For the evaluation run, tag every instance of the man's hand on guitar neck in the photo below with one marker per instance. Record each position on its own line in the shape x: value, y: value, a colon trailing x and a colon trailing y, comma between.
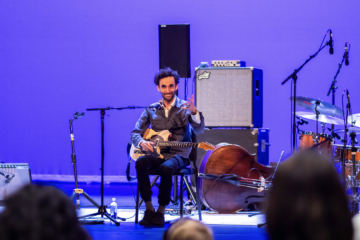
x: 146, y: 146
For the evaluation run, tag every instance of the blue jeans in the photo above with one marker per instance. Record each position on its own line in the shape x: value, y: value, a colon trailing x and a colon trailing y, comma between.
x: 165, y: 168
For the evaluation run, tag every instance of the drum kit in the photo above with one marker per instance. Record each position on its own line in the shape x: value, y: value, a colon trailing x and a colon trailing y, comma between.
x: 345, y: 154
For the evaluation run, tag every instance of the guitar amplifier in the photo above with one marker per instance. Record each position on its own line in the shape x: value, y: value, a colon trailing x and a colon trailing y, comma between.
x: 255, y: 141
x: 230, y: 96
x: 12, y: 177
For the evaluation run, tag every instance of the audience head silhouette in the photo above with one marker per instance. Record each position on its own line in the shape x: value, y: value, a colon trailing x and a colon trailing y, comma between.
x: 307, y: 201
x: 188, y: 229
x: 40, y: 213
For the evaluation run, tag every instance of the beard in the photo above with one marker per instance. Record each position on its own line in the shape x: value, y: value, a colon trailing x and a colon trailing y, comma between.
x: 169, y: 97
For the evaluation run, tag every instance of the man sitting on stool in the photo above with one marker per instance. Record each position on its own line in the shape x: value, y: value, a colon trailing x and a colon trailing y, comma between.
x: 172, y: 114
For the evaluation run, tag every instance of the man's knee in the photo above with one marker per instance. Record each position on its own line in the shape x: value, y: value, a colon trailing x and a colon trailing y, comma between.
x: 141, y: 163
x: 165, y: 170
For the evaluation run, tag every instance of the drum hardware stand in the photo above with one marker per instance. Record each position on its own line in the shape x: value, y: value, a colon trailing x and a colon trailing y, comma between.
x: 355, y: 200
x: 353, y: 183
x: 301, y: 122
x: 102, y: 208
x: 348, y: 111
x: 317, y: 120
x: 294, y: 77
x: 322, y: 127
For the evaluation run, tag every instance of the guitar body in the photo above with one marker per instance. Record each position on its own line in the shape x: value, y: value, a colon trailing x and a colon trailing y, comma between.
x: 155, y: 137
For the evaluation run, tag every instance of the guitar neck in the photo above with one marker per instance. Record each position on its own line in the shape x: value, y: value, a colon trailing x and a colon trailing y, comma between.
x: 178, y: 144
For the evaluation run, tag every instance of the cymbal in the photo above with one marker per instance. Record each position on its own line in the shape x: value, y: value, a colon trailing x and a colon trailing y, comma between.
x: 356, y: 118
x: 323, y: 107
x: 350, y: 129
x: 322, y: 118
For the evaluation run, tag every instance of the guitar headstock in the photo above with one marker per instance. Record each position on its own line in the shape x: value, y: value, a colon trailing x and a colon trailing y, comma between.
x: 206, y: 146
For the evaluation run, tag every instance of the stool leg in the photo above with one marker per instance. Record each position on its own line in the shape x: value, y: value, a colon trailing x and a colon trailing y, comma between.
x: 137, y: 206
x: 175, y: 193
x: 198, y: 196
x: 181, y: 196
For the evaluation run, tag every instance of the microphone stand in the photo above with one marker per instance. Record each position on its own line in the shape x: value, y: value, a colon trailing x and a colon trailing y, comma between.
x: 333, y: 87
x: 77, y: 191
x: 102, y: 208
x: 294, y: 77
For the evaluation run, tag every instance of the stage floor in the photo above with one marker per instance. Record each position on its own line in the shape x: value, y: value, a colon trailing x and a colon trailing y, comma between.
x: 224, y: 226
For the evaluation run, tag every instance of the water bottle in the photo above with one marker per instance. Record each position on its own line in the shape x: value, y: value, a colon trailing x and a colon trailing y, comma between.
x: 113, y: 210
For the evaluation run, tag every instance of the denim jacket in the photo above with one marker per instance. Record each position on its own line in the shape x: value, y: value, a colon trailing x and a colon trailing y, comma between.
x: 178, y: 123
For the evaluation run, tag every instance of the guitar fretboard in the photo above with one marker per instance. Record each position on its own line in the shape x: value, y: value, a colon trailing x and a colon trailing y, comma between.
x: 178, y: 144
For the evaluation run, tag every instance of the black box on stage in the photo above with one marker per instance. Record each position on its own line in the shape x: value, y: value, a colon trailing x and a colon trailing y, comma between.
x: 174, y: 48
x: 255, y: 141
x: 230, y: 96
x: 12, y: 177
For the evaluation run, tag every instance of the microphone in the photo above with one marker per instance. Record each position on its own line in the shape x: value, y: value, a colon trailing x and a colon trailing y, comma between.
x: 302, y: 120
x: 331, y: 50
x: 346, y: 55
x: 77, y: 115
x: 348, y: 98
x: 335, y: 135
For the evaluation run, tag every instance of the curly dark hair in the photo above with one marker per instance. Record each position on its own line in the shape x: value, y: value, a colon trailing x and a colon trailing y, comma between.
x: 307, y: 201
x: 166, y: 72
x: 40, y: 213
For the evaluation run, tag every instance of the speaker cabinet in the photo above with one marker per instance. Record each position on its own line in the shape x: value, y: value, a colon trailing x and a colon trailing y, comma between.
x: 230, y: 96
x: 12, y: 177
x: 174, y: 48
x: 255, y: 141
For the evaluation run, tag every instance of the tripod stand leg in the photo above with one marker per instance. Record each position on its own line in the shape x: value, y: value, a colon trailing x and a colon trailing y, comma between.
x: 72, y: 196
x: 77, y: 199
x: 91, y: 200
x: 99, y: 213
x: 111, y: 218
x: 88, y: 215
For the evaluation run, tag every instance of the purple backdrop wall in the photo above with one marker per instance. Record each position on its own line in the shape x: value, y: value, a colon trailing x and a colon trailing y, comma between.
x: 57, y: 57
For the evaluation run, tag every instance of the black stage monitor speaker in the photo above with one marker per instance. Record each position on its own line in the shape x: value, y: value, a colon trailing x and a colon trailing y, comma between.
x: 174, y: 48
x: 12, y: 177
x: 230, y: 96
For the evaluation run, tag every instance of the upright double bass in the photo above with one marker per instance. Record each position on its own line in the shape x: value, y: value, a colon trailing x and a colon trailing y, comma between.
x: 225, y: 197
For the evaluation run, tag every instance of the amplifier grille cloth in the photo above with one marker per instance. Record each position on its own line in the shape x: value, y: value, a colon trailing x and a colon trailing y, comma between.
x: 225, y: 98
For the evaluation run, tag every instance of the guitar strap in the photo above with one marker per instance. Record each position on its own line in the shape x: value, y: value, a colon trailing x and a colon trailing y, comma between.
x: 128, y: 177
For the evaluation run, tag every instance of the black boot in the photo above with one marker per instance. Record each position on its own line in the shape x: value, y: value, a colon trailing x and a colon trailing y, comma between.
x: 158, y: 219
x: 148, y: 216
